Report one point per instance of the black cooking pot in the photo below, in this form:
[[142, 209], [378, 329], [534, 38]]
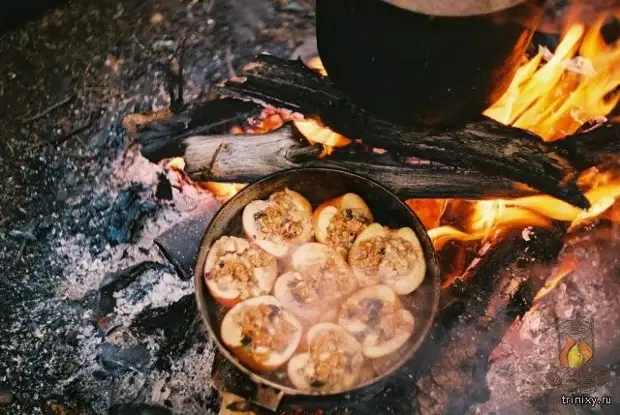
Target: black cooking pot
[[319, 185], [16, 12], [424, 61]]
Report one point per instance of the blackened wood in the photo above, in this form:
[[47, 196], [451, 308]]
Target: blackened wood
[[485, 145], [247, 158], [476, 316], [593, 147], [165, 139], [180, 243]]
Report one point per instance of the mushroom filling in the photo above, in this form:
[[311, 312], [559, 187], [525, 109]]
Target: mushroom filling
[[234, 268], [392, 256], [320, 280], [265, 329], [283, 221], [330, 361], [344, 227]]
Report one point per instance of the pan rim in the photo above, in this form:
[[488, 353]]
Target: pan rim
[[432, 272]]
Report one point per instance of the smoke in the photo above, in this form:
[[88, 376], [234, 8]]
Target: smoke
[[560, 13]]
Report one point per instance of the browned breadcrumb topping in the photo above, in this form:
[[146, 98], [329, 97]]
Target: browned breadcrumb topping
[[393, 255], [283, 221], [329, 358], [316, 281], [400, 257], [369, 254], [236, 269], [344, 227], [265, 329]]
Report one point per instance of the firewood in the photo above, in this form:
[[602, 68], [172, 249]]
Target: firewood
[[246, 158], [593, 147], [164, 139], [483, 145]]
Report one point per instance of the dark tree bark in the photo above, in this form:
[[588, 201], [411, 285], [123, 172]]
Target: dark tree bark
[[484, 145], [246, 158]]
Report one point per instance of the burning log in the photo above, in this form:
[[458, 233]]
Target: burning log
[[593, 147], [243, 158], [484, 145], [166, 139]]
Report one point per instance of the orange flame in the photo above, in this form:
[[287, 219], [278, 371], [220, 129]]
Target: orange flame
[[557, 98], [316, 64], [567, 266], [222, 191], [315, 132]]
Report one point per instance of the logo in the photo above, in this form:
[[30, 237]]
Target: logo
[[578, 372]]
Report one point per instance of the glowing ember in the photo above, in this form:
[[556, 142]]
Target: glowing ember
[[316, 64], [575, 85]]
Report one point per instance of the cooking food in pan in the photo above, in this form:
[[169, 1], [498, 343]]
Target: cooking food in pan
[[279, 224], [332, 363], [261, 333], [318, 279], [376, 318], [315, 297], [339, 221], [390, 256], [237, 270]]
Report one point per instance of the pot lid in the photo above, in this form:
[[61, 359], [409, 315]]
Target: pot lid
[[454, 8]]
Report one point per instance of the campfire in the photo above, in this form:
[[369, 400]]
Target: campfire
[[492, 193]]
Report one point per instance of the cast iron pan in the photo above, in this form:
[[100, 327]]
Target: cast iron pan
[[319, 185]]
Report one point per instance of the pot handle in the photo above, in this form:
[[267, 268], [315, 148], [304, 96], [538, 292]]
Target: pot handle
[[267, 397]]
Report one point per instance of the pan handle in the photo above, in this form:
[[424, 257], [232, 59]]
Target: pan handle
[[267, 397]]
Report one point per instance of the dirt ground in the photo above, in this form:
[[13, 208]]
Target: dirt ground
[[66, 81]]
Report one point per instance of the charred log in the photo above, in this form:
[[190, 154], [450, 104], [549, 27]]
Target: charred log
[[475, 316], [484, 145], [246, 158], [593, 147], [161, 140]]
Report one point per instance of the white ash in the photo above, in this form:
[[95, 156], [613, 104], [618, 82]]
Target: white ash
[[188, 382], [529, 351], [155, 288], [86, 271]]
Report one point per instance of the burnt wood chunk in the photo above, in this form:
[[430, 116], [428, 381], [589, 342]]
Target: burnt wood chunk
[[161, 140], [483, 145], [593, 147], [217, 158]]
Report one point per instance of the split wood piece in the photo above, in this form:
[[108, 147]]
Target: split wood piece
[[475, 316], [247, 158], [593, 147], [485, 145], [160, 140]]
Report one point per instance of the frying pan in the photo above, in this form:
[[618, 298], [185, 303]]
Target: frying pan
[[319, 184]]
